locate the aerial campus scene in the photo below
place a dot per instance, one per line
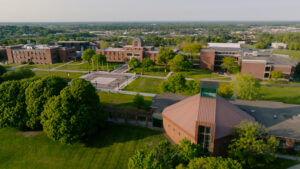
(134, 84)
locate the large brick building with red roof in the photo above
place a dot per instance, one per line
(206, 119)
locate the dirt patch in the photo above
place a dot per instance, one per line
(29, 133)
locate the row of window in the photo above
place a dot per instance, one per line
(282, 144)
(28, 53)
(174, 130)
(37, 58)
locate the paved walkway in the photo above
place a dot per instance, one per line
(62, 65)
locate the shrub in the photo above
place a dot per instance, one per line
(37, 94)
(73, 114)
(225, 90)
(134, 63)
(18, 74)
(212, 163)
(2, 70)
(277, 74)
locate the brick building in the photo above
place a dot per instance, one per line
(39, 54)
(205, 119)
(137, 50)
(259, 65)
(78, 45)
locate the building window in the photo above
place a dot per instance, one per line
(204, 138)
(179, 134)
(297, 146)
(282, 144)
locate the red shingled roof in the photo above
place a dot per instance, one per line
(217, 111)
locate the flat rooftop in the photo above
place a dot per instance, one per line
(281, 120)
(272, 59)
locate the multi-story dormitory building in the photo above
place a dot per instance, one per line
(259, 65)
(137, 50)
(39, 54)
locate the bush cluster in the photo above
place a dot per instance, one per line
(65, 113)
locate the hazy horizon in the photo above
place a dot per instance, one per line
(149, 11)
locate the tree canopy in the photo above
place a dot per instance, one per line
(147, 63)
(139, 101)
(212, 163)
(252, 146)
(178, 84)
(37, 95)
(134, 63)
(246, 87)
(13, 107)
(165, 55)
(229, 64)
(2, 70)
(180, 63)
(225, 90)
(73, 114)
(297, 71)
(87, 55)
(20, 73)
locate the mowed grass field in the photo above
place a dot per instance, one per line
(156, 70)
(198, 74)
(122, 101)
(281, 94)
(294, 53)
(110, 149)
(43, 66)
(84, 66)
(69, 75)
(144, 85)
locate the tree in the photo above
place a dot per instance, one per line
(174, 84)
(98, 59)
(192, 49)
(37, 95)
(103, 44)
(212, 163)
(225, 90)
(13, 107)
(73, 114)
(192, 87)
(276, 74)
(138, 101)
(165, 55)
(252, 146)
(165, 155)
(297, 71)
(147, 63)
(2, 70)
(17, 74)
(229, 64)
(246, 87)
(134, 63)
(180, 63)
(87, 55)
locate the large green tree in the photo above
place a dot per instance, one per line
(147, 63)
(165, 55)
(73, 114)
(225, 90)
(191, 49)
(230, 65)
(180, 63)
(13, 107)
(246, 87)
(87, 55)
(37, 95)
(134, 63)
(174, 84)
(252, 146)
(276, 74)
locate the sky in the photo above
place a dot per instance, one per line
(148, 10)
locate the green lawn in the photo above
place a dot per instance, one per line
(156, 70)
(144, 85)
(281, 94)
(84, 66)
(199, 74)
(69, 75)
(10, 65)
(121, 101)
(110, 149)
(294, 53)
(43, 66)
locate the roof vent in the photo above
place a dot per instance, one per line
(275, 116)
